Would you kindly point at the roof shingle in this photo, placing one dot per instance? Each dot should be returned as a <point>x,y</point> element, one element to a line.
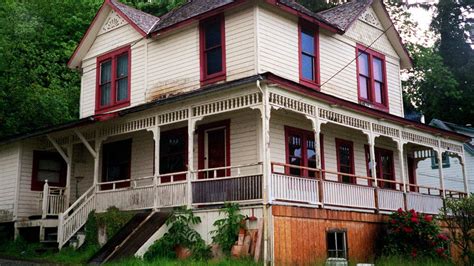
<point>343,15</point>
<point>142,20</point>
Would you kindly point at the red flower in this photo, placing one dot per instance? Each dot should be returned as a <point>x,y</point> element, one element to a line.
<point>412,211</point>
<point>443,237</point>
<point>407,229</point>
<point>428,218</point>
<point>440,251</point>
<point>414,219</point>
<point>400,210</point>
<point>413,253</point>
<point>393,221</point>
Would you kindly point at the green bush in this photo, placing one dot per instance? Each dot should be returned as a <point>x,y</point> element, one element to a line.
<point>227,229</point>
<point>181,234</point>
<point>416,235</point>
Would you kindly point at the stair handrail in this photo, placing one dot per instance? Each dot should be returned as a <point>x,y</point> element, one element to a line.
<point>71,211</point>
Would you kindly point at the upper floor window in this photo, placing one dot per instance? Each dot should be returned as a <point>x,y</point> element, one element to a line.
<point>372,77</point>
<point>345,160</point>
<point>48,166</point>
<point>212,49</point>
<point>113,80</point>
<point>309,54</point>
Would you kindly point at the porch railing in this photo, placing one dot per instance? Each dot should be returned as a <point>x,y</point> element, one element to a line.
<point>230,183</point>
<point>389,195</point>
<point>53,200</point>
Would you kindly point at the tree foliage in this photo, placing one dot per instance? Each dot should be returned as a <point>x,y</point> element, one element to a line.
<point>36,40</point>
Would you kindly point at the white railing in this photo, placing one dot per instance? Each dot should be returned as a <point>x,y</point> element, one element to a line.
<point>53,200</point>
<point>76,216</point>
<point>390,200</point>
<point>348,195</point>
<point>295,189</point>
<point>424,203</point>
<point>171,194</point>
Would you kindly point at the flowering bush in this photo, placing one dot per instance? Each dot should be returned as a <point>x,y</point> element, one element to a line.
<point>417,235</point>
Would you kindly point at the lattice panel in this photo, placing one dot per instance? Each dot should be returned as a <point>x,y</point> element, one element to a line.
<point>423,154</point>
<point>451,147</point>
<point>227,104</point>
<point>384,130</point>
<point>344,119</point>
<point>292,104</point>
<point>415,138</point>
<point>129,126</point>
<point>173,117</point>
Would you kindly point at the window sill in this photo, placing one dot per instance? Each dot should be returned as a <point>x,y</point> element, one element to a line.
<point>310,84</point>
<point>213,79</point>
<point>106,109</point>
<point>373,105</point>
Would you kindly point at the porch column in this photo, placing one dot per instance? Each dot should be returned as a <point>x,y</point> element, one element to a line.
<point>69,173</point>
<point>441,174</point>
<point>401,158</point>
<point>373,164</point>
<point>156,175</point>
<point>98,144</point>
<point>464,173</point>
<point>191,128</point>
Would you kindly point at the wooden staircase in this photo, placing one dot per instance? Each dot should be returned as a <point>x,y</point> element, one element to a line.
<point>130,237</point>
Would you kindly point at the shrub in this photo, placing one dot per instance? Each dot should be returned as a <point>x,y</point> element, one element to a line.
<point>227,229</point>
<point>417,235</point>
<point>181,234</point>
<point>459,217</point>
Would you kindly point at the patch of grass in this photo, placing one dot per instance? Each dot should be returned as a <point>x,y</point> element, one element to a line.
<point>174,262</point>
<point>398,260</point>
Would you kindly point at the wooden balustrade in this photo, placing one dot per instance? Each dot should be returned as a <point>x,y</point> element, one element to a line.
<point>53,200</point>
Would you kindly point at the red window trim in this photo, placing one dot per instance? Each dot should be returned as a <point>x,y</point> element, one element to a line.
<point>371,90</point>
<point>340,142</point>
<point>288,131</point>
<point>315,84</point>
<point>114,104</point>
<point>378,152</point>
<point>182,130</point>
<point>38,155</point>
<point>209,79</point>
<point>201,129</point>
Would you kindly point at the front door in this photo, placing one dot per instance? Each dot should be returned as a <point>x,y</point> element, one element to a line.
<point>215,151</point>
<point>116,163</point>
<point>385,169</point>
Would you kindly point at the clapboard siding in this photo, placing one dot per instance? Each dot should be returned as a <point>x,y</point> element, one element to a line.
<point>106,42</point>
<point>9,155</point>
<point>453,179</point>
<point>278,53</point>
<point>28,201</point>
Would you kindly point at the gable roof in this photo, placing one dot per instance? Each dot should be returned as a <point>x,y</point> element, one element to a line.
<point>139,20</point>
<point>344,15</point>
<point>468,131</point>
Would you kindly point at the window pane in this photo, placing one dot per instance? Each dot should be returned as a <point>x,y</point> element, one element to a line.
<point>50,165</point>
<point>105,72</point>
<point>379,92</point>
<point>307,41</point>
<point>122,89</point>
<point>344,155</point>
<point>331,241</point>
<point>364,87</point>
<point>363,64</point>
<point>122,66</point>
<point>295,150</point>
<point>213,34</point>
<point>52,177</point>
<point>378,71</point>
<point>307,66</point>
<point>214,61</point>
<point>105,94</point>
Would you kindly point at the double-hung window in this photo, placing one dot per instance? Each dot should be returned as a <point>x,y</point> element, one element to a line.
<point>300,151</point>
<point>48,166</point>
<point>345,160</point>
<point>212,49</point>
<point>309,54</point>
<point>113,80</point>
<point>372,78</point>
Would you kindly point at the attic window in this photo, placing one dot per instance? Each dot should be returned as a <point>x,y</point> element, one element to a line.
<point>212,49</point>
<point>113,80</point>
<point>309,54</point>
<point>372,78</point>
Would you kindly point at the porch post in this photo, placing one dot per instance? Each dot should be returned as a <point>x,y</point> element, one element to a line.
<point>98,144</point>
<point>191,125</point>
<point>401,158</point>
<point>156,174</point>
<point>68,173</point>
<point>440,169</point>
<point>373,164</point>
<point>464,174</point>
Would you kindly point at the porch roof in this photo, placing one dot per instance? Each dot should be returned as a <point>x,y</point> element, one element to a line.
<point>264,77</point>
